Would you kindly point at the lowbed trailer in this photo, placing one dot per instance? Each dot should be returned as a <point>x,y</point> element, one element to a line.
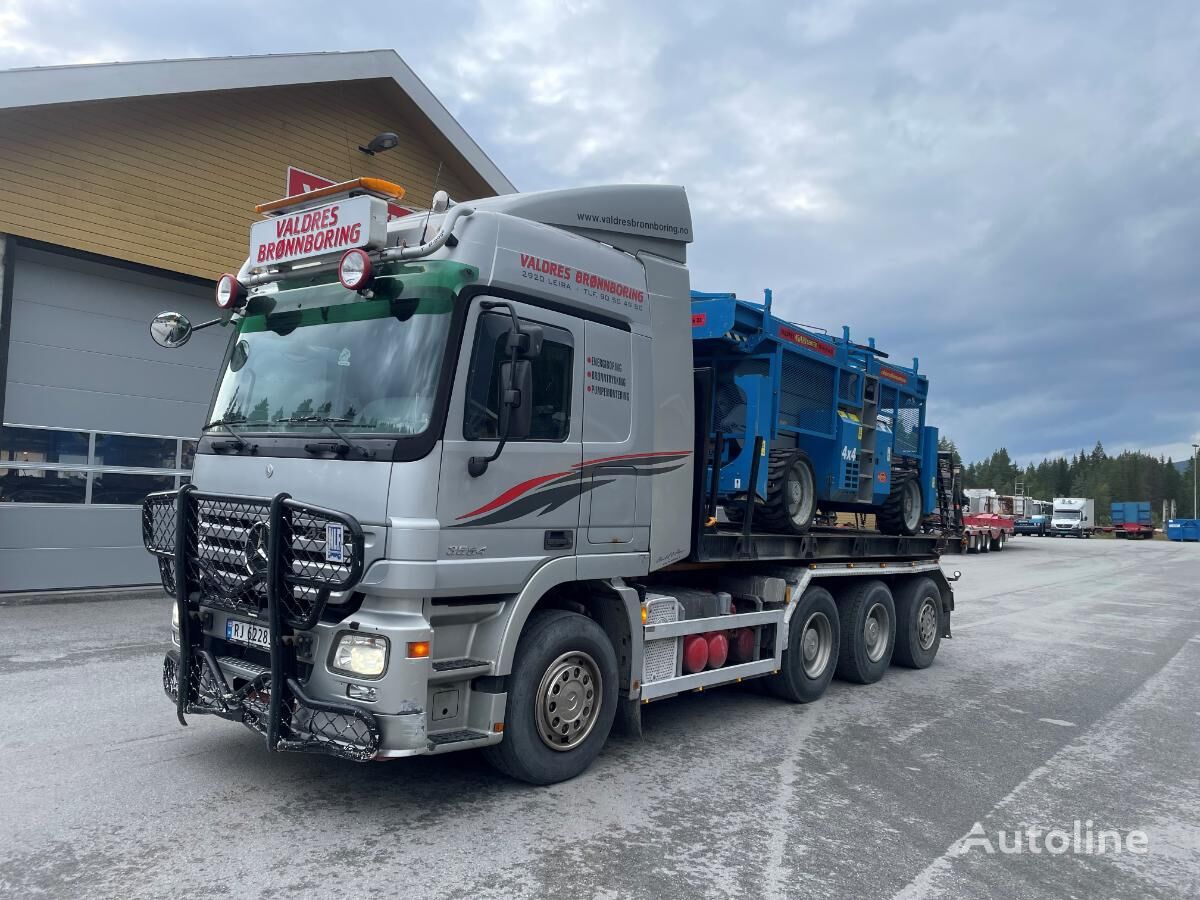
<point>986,532</point>
<point>510,536</point>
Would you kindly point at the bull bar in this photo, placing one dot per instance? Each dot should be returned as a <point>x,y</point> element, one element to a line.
<point>286,578</point>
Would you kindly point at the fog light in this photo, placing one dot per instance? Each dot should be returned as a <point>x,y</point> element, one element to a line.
<point>175,623</point>
<point>360,692</point>
<point>361,654</point>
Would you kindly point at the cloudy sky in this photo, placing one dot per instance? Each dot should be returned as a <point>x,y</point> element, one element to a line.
<point>1010,190</point>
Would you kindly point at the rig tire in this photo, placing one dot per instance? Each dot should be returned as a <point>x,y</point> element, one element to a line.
<point>789,476</point>
<point>901,511</point>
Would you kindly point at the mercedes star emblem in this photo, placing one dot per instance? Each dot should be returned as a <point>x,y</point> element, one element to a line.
<point>255,551</point>
<point>270,470</point>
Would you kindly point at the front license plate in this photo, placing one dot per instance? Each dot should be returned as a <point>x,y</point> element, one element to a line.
<point>248,633</point>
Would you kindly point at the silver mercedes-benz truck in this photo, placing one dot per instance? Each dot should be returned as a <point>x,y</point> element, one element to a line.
<point>453,491</point>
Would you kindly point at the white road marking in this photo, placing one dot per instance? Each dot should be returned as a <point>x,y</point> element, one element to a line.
<point>1061,722</point>
<point>923,885</point>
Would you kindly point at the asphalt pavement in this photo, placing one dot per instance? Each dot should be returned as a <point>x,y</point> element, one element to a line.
<point>1068,694</point>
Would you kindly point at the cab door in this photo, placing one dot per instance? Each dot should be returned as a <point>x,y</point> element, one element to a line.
<point>498,527</point>
<point>615,512</point>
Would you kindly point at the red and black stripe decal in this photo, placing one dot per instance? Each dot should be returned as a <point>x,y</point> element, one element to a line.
<point>544,493</point>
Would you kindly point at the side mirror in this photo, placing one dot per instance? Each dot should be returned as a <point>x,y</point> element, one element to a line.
<point>516,409</point>
<point>526,343</point>
<point>170,329</point>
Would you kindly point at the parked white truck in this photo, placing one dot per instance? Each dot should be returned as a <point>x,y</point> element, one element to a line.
<point>454,491</point>
<point>1074,517</point>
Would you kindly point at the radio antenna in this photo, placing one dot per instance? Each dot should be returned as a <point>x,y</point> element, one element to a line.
<point>429,212</point>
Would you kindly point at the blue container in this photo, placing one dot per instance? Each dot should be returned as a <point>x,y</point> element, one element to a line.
<point>1183,530</point>
<point>1134,512</point>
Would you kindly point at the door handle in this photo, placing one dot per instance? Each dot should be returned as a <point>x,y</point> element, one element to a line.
<point>559,540</point>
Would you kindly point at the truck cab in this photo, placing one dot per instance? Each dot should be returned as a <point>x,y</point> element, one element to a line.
<point>1073,517</point>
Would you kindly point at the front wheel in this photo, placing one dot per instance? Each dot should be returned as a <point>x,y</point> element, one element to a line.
<point>562,699</point>
<point>901,511</point>
<point>791,492</point>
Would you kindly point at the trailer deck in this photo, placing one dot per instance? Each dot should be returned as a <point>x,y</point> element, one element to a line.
<point>818,545</point>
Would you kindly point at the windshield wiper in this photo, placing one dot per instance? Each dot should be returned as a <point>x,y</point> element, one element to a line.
<point>239,443</point>
<point>328,422</point>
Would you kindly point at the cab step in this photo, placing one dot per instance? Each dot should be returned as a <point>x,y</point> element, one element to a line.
<point>456,740</point>
<point>459,669</point>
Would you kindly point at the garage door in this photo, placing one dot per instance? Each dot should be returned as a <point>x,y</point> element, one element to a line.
<point>95,416</point>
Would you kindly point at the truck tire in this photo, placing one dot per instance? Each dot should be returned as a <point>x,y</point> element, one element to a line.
<point>997,543</point>
<point>901,512</point>
<point>811,656</point>
<point>985,542</point>
<point>868,620</point>
<point>918,623</point>
<point>562,699</point>
<point>791,492</point>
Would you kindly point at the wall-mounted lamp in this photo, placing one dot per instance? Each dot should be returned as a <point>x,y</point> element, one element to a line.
<point>384,141</point>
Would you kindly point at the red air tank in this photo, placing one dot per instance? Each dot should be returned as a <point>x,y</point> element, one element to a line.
<point>741,646</point>
<point>718,649</point>
<point>695,653</point>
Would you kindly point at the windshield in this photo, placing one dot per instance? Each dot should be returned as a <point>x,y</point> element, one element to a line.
<point>370,365</point>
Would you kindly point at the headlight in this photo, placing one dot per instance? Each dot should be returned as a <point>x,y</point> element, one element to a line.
<point>175,616</point>
<point>365,655</point>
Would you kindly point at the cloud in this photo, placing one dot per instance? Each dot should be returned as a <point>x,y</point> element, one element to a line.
<point>1007,191</point>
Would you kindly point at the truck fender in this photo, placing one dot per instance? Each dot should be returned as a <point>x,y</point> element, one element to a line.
<point>553,574</point>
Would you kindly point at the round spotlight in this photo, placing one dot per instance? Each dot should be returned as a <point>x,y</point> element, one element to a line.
<point>230,292</point>
<point>355,270</point>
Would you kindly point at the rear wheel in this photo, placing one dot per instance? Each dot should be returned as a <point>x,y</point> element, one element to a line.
<point>985,542</point>
<point>562,699</point>
<point>918,623</point>
<point>997,543</point>
<point>868,621</point>
<point>901,512</point>
<point>812,651</point>
<point>791,492</point>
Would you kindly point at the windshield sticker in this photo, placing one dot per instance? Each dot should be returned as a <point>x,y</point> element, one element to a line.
<point>344,357</point>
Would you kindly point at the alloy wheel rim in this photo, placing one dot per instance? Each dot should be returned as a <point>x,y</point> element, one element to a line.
<point>568,699</point>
